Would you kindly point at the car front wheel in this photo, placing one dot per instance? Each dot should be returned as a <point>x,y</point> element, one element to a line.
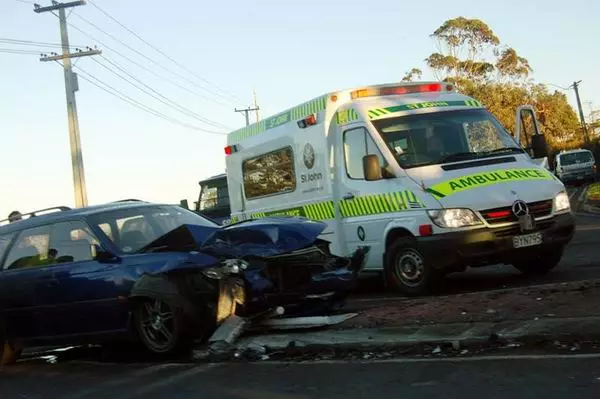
<point>541,263</point>
<point>159,326</point>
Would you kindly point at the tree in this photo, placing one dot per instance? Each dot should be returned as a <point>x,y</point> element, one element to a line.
<point>470,55</point>
<point>413,74</point>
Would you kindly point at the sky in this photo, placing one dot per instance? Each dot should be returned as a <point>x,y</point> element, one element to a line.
<point>287,51</point>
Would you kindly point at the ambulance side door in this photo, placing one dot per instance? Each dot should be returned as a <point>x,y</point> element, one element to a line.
<point>363,215</point>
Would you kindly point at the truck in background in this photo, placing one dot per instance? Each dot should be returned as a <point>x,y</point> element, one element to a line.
<point>213,200</point>
<point>576,165</point>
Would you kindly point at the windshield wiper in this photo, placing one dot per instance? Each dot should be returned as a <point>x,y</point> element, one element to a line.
<point>505,149</point>
<point>459,156</point>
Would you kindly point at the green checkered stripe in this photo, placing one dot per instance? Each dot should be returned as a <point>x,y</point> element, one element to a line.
<point>359,206</point>
<point>294,114</point>
<point>346,116</point>
<point>380,112</point>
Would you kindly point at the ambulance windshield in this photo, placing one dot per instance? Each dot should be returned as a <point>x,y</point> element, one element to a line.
<point>443,137</point>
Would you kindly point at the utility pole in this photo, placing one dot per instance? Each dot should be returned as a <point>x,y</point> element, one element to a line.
<point>71,86</point>
<point>246,112</point>
<point>256,107</point>
<point>581,117</point>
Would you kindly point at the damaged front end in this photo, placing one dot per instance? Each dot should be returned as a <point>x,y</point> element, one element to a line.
<point>263,264</point>
<point>285,264</point>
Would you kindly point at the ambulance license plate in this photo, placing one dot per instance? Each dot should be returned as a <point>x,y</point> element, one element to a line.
<point>528,240</point>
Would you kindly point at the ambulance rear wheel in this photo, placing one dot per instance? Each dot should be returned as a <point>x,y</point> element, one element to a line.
<point>407,270</point>
<point>540,264</point>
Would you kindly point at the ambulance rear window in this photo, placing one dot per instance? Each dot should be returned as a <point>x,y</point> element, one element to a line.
<point>269,174</point>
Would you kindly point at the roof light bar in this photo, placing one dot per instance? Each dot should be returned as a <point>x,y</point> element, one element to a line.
<point>400,90</point>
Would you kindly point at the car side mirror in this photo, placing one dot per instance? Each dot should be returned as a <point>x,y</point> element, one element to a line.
<point>372,168</point>
<point>102,255</point>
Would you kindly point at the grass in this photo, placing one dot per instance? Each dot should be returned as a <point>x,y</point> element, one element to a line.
<point>593,192</point>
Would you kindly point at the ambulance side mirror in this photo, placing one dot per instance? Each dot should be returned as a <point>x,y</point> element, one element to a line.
<point>539,146</point>
<point>372,168</point>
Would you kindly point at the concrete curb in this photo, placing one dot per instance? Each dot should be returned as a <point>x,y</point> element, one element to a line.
<point>465,334</point>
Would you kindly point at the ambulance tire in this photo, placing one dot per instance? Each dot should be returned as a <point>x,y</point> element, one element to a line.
<point>541,263</point>
<point>407,271</point>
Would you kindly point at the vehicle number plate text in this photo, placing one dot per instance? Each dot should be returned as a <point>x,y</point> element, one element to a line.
<point>528,240</point>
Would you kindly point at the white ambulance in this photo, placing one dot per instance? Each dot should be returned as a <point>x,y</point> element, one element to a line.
<point>424,176</point>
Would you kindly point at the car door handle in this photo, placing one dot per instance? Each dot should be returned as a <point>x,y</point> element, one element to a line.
<point>349,196</point>
<point>52,282</point>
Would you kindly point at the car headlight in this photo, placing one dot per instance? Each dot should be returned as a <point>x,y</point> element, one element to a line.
<point>561,202</point>
<point>227,267</point>
<point>453,218</point>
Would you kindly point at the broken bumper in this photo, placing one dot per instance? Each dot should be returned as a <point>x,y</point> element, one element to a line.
<point>303,282</point>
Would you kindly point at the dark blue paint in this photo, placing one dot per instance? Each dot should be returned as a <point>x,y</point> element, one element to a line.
<point>90,298</point>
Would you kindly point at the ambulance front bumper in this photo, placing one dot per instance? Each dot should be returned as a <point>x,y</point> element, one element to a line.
<point>456,250</point>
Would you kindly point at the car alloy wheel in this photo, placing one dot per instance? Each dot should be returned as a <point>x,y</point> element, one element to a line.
<point>158,325</point>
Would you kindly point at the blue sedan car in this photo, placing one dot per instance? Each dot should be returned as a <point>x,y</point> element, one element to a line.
<point>159,274</point>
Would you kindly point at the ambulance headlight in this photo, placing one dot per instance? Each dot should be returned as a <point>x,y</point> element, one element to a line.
<point>454,218</point>
<point>561,202</point>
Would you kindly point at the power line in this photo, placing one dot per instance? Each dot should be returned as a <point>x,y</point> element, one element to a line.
<point>166,79</point>
<point>111,90</point>
<point>150,59</point>
<point>19,42</point>
<point>158,96</point>
<point>19,51</point>
<point>163,53</point>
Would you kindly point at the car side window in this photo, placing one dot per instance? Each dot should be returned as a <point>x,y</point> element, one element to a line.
<point>357,144</point>
<point>71,242</point>
<point>5,241</point>
<point>30,249</point>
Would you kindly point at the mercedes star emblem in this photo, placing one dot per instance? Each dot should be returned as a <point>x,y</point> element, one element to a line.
<point>520,208</point>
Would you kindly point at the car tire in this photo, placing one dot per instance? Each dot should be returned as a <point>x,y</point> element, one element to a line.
<point>407,270</point>
<point>159,326</point>
<point>540,264</point>
<point>9,350</point>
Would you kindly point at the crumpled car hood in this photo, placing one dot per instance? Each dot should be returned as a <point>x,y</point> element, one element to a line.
<point>259,238</point>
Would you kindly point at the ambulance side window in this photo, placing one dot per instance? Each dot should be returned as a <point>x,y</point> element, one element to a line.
<point>357,144</point>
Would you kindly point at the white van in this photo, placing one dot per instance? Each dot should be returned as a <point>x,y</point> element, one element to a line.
<point>575,165</point>
<point>424,176</point>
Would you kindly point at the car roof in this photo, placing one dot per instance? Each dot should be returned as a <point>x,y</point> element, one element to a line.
<point>39,220</point>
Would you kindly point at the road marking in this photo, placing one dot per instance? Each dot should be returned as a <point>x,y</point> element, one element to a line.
<point>582,195</point>
<point>148,388</point>
<point>588,227</point>
<point>573,192</point>
<point>121,381</point>
<point>579,356</point>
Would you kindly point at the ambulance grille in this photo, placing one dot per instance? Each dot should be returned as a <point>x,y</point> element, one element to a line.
<point>505,215</point>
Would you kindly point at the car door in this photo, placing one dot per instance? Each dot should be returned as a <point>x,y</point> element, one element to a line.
<point>27,283</point>
<point>87,298</point>
<point>366,206</point>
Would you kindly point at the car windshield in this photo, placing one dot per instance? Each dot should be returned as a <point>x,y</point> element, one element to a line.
<point>132,229</point>
<point>575,158</point>
<point>441,137</point>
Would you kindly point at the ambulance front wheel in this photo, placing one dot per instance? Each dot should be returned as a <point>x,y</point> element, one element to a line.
<point>407,270</point>
<point>541,263</point>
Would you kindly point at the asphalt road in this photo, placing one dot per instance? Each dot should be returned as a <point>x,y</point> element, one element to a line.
<point>581,261</point>
<point>526,377</point>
